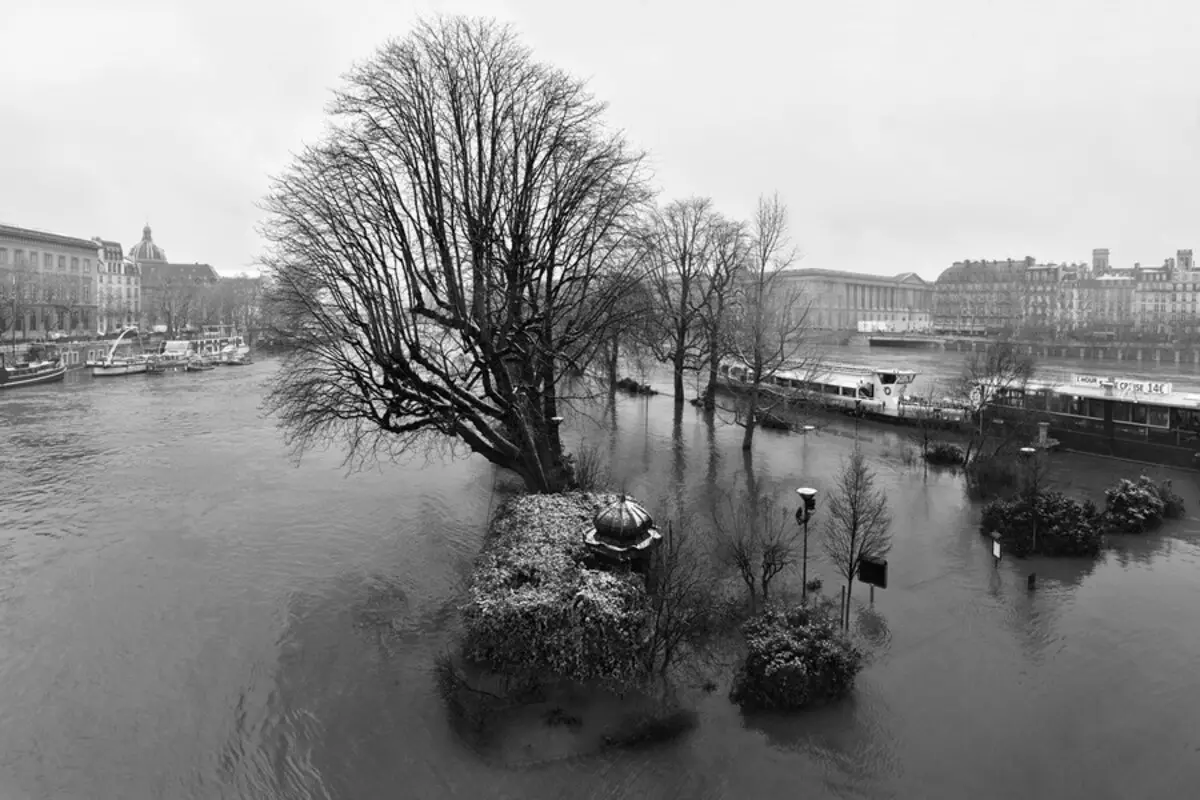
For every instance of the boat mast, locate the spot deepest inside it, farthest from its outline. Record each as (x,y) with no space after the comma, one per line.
(112,350)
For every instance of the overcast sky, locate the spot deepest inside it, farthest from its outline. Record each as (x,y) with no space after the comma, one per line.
(903,134)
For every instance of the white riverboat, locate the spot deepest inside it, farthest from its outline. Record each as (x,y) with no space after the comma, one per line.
(113,365)
(220,343)
(864,391)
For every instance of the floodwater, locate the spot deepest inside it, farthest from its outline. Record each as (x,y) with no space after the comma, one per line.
(186,614)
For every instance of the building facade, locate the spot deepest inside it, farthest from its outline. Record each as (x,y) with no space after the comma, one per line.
(118,288)
(1047,301)
(852,301)
(172,294)
(47,284)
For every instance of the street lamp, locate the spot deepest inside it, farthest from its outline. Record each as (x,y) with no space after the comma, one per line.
(808,507)
(1028,454)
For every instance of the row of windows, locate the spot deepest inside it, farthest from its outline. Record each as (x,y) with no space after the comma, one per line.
(21,258)
(1127,412)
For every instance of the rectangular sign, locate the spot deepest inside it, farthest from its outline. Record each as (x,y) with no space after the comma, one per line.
(1125,385)
(873,571)
(995,549)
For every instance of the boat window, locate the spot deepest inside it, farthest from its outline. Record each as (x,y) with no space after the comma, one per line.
(906,379)
(866,391)
(1121,412)
(1185,421)
(1137,413)
(847,391)
(1095,408)
(1158,416)
(887,379)
(1079,406)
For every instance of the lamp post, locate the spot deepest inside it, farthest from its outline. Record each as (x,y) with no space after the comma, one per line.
(1028,454)
(808,507)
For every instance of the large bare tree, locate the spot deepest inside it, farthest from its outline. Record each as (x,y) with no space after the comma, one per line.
(446,254)
(769,333)
(731,250)
(857,522)
(680,241)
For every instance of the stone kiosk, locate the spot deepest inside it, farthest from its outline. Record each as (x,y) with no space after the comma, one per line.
(623,533)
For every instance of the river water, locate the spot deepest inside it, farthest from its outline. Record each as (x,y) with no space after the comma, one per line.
(184,613)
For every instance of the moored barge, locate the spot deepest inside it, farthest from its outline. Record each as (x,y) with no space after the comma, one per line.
(1140,420)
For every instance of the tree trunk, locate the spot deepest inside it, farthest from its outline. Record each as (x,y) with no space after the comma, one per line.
(714,363)
(678,366)
(849,587)
(751,417)
(614,354)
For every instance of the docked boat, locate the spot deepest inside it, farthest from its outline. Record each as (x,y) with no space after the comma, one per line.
(199,365)
(169,360)
(43,364)
(219,342)
(113,365)
(848,388)
(1130,418)
(233,360)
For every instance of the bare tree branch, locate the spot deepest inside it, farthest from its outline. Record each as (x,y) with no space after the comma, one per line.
(769,334)
(449,252)
(857,522)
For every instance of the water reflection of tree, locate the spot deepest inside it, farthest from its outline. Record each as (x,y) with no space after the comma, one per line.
(1141,548)
(846,738)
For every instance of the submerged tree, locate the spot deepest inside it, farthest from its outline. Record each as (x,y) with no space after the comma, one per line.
(726,268)
(987,376)
(857,523)
(445,255)
(769,332)
(759,539)
(680,241)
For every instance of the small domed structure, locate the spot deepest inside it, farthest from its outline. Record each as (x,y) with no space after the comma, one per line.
(622,530)
(147,250)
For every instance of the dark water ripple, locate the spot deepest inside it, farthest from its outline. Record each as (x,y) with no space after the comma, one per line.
(184,613)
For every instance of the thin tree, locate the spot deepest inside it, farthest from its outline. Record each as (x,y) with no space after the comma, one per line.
(769,332)
(62,292)
(680,242)
(731,251)
(857,522)
(19,288)
(448,253)
(758,539)
(986,376)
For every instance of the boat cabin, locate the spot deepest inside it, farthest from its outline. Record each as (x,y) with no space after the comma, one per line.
(1115,416)
(843,384)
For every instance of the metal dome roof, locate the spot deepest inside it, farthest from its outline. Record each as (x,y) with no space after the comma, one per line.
(623,520)
(146,249)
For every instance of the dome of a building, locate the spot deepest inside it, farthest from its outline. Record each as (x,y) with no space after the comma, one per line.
(623,522)
(146,249)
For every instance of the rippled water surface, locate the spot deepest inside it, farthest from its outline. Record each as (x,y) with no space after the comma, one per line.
(186,614)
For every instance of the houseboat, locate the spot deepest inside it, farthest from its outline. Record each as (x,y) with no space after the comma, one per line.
(172,356)
(219,342)
(848,388)
(1141,420)
(43,364)
(113,365)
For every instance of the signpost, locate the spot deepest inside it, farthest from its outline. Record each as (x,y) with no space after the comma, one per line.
(873,572)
